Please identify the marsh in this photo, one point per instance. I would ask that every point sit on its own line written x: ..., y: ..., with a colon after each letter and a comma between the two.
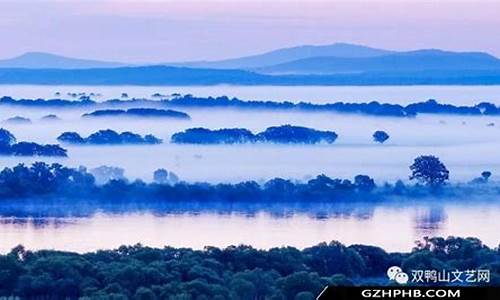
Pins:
x: 466, y: 144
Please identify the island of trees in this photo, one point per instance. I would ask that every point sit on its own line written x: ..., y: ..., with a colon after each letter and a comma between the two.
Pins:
x: 18, y: 120
x: 108, y: 137
x: 235, y: 272
x: 139, y: 112
x: 50, y: 117
x: 380, y: 136
x: 9, y: 146
x: 285, y: 134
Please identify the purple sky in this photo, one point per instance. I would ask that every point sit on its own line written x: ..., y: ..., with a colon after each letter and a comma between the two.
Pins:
x: 170, y: 30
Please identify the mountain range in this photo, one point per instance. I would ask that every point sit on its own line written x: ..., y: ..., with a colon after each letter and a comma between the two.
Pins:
x: 412, y: 61
x: 286, y: 55
x: 338, y: 63
x: 41, y: 60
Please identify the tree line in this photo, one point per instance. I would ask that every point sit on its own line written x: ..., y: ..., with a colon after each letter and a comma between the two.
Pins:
x: 374, y: 108
x: 235, y: 272
x: 285, y: 134
x: 42, y: 180
x: 108, y: 137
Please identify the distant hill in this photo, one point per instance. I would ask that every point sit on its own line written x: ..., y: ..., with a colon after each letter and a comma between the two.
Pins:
x: 162, y: 75
x: 413, y: 61
x: 40, y: 60
x: 287, y: 55
x: 150, y: 75
x: 334, y: 59
x: 336, y: 64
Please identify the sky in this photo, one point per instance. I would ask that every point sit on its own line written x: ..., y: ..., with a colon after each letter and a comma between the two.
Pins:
x: 186, y: 30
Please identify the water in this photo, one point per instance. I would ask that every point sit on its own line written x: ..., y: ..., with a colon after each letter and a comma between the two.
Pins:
x: 317, y: 94
x: 391, y: 227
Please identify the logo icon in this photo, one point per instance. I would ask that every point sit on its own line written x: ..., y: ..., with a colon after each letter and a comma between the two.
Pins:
x: 395, y: 273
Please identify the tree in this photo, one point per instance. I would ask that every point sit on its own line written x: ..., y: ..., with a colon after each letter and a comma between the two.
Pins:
x: 429, y: 170
x: 10, y: 270
x: 50, y: 117
x: 340, y: 280
x: 6, y: 138
x: 33, y: 149
x: 243, y: 289
x: 71, y: 137
x: 151, y: 139
x: 486, y: 175
x: 6, y: 141
x: 298, y: 282
x: 380, y: 136
x: 364, y: 183
x: 163, y: 176
x: 107, y: 136
x: 104, y: 174
x: 143, y: 293
x: 160, y: 176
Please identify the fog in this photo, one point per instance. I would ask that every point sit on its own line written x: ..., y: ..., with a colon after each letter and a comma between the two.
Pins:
x: 458, y: 95
x: 466, y: 145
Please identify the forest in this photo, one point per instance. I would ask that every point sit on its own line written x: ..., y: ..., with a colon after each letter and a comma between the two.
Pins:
x: 235, y: 272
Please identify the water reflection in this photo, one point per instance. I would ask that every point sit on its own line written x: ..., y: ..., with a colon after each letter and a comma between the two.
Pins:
x: 391, y: 226
x: 54, y: 209
x: 38, y: 222
x: 430, y: 220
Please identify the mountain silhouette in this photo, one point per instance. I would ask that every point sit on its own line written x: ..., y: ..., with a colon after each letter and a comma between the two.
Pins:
x: 412, y: 61
x: 42, y: 60
x: 287, y: 55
